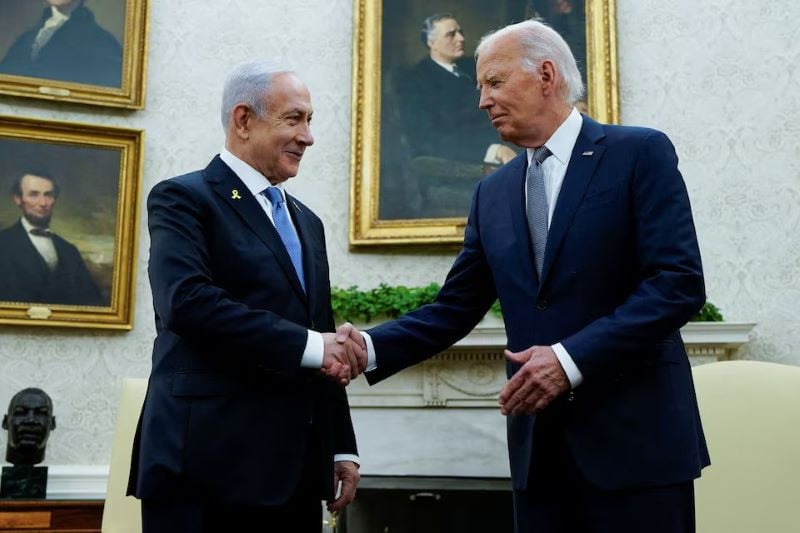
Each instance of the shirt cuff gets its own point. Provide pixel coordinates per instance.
(346, 457)
(315, 349)
(372, 364)
(570, 368)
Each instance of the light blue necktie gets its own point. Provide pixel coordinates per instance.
(537, 208)
(286, 231)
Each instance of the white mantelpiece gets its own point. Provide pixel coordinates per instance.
(473, 372)
(439, 418)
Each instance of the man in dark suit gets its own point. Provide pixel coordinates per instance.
(437, 97)
(587, 239)
(66, 45)
(36, 265)
(240, 431)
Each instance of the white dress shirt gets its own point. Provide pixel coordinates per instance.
(256, 183)
(44, 245)
(554, 168)
(50, 26)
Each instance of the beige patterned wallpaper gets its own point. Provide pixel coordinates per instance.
(723, 82)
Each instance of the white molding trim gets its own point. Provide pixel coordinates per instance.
(77, 482)
(490, 333)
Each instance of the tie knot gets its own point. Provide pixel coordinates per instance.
(541, 153)
(274, 195)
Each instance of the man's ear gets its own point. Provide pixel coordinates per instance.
(18, 201)
(5, 421)
(53, 422)
(549, 76)
(241, 117)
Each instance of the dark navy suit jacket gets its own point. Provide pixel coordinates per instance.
(440, 115)
(79, 51)
(25, 276)
(229, 413)
(621, 275)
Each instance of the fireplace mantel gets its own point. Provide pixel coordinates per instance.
(472, 373)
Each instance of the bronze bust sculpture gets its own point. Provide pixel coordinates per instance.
(29, 421)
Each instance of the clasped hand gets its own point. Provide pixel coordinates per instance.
(536, 384)
(345, 355)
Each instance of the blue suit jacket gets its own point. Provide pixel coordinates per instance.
(621, 275)
(229, 413)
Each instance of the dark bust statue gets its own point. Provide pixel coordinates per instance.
(29, 421)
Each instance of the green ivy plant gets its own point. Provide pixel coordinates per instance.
(355, 305)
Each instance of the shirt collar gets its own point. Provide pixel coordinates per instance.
(563, 140)
(449, 67)
(28, 226)
(57, 17)
(252, 178)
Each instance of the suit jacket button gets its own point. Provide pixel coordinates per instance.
(541, 305)
(571, 396)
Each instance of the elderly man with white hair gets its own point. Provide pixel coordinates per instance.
(587, 239)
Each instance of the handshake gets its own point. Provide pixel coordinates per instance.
(345, 354)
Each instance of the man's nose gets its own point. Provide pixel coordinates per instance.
(306, 137)
(484, 101)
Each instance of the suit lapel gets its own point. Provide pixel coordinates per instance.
(306, 236)
(24, 248)
(582, 165)
(515, 207)
(235, 193)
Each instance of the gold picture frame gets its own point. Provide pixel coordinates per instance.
(92, 176)
(383, 199)
(98, 56)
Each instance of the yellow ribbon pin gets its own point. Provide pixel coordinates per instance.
(235, 194)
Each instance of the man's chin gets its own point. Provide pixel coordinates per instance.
(39, 222)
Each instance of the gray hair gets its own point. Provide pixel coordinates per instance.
(540, 42)
(249, 83)
(429, 26)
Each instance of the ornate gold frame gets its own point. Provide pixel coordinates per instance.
(134, 60)
(366, 228)
(119, 314)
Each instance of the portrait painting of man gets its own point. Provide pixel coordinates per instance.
(57, 220)
(76, 41)
(436, 144)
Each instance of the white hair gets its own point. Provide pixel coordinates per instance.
(540, 42)
(249, 83)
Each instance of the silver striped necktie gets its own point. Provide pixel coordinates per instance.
(537, 208)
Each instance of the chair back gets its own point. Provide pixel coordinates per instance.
(122, 514)
(751, 416)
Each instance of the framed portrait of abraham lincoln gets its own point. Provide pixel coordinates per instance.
(68, 223)
(86, 51)
(419, 142)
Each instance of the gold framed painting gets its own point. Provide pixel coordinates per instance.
(68, 223)
(86, 51)
(419, 141)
